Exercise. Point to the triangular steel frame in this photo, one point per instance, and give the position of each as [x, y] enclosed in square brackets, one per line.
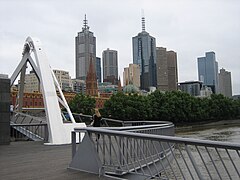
[59, 132]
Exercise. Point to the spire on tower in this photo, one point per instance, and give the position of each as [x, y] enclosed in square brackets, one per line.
[143, 21]
[85, 23]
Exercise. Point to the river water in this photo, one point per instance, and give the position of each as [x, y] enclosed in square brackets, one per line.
[224, 132]
[220, 132]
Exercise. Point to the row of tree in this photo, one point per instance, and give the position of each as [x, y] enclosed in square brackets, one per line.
[174, 106]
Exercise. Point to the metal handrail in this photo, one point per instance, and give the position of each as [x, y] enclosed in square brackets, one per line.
[134, 155]
[25, 127]
[171, 139]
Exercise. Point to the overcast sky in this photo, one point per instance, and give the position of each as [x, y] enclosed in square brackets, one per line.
[189, 27]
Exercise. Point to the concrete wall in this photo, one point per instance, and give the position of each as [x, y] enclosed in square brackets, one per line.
[4, 110]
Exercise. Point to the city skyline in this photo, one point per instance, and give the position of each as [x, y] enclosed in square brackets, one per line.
[179, 26]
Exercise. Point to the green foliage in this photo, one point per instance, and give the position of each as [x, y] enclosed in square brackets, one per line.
[127, 107]
[174, 106]
[82, 104]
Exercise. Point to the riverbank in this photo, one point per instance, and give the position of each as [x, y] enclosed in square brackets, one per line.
[207, 125]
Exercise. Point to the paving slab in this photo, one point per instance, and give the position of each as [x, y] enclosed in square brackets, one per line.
[34, 160]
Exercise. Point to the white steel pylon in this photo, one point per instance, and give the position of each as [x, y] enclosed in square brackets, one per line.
[59, 132]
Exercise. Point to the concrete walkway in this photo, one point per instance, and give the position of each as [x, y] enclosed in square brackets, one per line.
[33, 160]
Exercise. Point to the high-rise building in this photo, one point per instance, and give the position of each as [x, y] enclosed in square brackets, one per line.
[208, 71]
[32, 84]
[125, 76]
[225, 83]
[85, 48]
[144, 54]
[167, 74]
[191, 87]
[64, 80]
[110, 66]
[172, 70]
[98, 69]
[131, 75]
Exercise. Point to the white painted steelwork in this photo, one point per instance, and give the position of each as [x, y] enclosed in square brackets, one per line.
[59, 132]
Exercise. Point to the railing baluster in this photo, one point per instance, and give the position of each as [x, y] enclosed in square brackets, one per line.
[153, 161]
[73, 143]
[121, 155]
[170, 147]
[116, 155]
[213, 163]
[136, 158]
[185, 162]
[223, 163]
[166, 156]
[129, 156]
[193, 162]
[233, 163]
[204, 163]
[144, 158]
[160, 160]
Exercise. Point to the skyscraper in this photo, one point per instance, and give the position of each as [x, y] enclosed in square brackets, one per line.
[110, 66]
[191, 87]
[144, 54]
[167, 74]
[208, 71]
[85, 48]
[125, 76]
[172, 70]
[225, 83]
[98, 69]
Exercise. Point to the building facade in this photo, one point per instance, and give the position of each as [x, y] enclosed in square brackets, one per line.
[110, 66]
[64, 80]
[125, 76]
[191, 87]
[79, 86]
[98, 69]
[131, 75]
[85, 48]
[144, 54]
[32, 84]
[225, 83]
[167, 71]
[208, 71]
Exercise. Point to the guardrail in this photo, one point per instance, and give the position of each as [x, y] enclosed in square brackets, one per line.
[108, 122]
[118, 153]
[34, 131]
[130, 155]
[26, 127]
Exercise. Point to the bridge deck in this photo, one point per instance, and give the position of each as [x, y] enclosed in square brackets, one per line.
[33, 160]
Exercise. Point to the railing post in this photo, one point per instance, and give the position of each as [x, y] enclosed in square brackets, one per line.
[45, 133]
[193, 162]
[73, 143]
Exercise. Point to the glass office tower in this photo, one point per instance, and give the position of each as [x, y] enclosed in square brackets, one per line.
[208, 71]
[144, 54]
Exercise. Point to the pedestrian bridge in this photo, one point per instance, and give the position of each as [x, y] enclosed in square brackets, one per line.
[143, 150]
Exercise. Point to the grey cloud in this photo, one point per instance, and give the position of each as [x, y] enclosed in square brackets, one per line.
[189, 27]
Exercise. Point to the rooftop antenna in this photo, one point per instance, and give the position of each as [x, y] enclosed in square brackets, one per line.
[143, 21]
[85, 22]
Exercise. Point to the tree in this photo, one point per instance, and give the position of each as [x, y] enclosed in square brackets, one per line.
[82, 104]
[127, 107]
